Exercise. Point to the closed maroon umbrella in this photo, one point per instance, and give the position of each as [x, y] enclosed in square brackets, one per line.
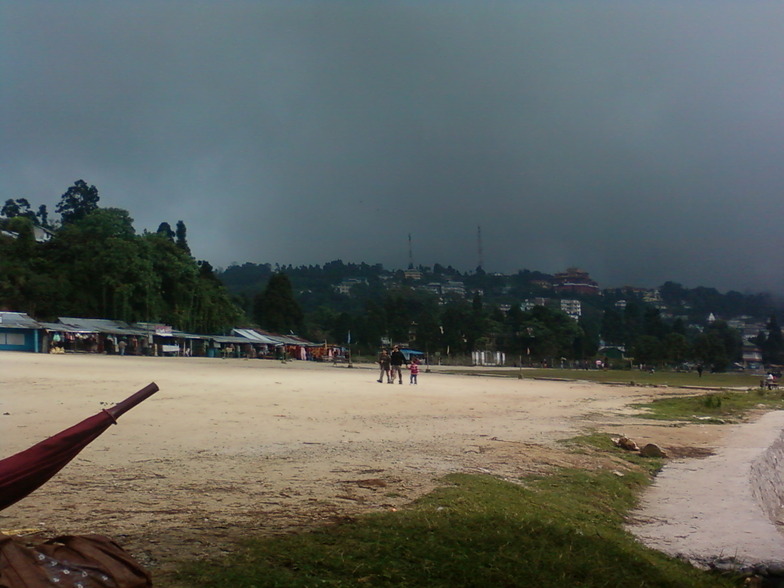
[26, 471]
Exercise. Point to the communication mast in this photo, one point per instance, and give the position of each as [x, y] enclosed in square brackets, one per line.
[410, 254]
[479, 246]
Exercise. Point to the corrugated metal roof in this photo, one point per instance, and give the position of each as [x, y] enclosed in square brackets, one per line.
[17, 320]
[230, 339]
[66, 324]
[184, 335]
[304, 342]
[255, 337]
[283, 339]
[61, 328]
[109, 326]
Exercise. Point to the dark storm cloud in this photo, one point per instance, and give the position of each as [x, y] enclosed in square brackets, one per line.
[640, 141]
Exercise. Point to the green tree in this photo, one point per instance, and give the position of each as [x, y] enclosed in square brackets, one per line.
[586, 343]
[398, 316]
[676, 348]
[673, 293]
[177, 281]
[718, 346]
[77, 202]
[709, 350]
[165, 229]
[455, 319]
[612, 330]
[428, 334]
[371, 325]
[275, 308]
[633, 322]
[96, 265]
[104, 265]
[679, 327]
[181, 237]
[17, 265]
[212, 311]
[550, 334]
[730, 339]
[341, 327]
[18, 207]
[647, 350]
[105, 223]
[43, 217]
[653, 324]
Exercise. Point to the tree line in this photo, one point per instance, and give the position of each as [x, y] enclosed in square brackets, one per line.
[96, 265]
[305, 301]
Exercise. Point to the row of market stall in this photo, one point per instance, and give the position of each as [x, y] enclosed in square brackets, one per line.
[20, 332]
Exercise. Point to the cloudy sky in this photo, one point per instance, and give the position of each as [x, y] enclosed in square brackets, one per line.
[640, 141]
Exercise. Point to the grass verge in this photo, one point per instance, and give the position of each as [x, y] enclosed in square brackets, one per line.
[717, 407]
[560, 530]
[637, 377]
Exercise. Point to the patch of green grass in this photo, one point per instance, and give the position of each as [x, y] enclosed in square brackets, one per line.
[603, 443]
[559, 530]
[716, 407]
[658, 378]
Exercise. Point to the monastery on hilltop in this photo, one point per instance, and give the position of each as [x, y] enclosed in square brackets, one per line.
[575, 281]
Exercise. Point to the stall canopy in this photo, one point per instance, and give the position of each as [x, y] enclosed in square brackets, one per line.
[265, 337]
[253, 336]
[411, 353]
[106, 326]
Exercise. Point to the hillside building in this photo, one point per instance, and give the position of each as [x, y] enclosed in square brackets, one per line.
[573, 308]
[575, 281]
[345, 286]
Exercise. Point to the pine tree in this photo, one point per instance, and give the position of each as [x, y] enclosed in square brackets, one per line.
[275, 307]
[181, 234]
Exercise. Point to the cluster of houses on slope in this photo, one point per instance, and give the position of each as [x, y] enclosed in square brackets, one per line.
[20, 332]
[573, 280]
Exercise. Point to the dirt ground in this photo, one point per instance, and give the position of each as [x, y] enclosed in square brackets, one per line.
[231, 447]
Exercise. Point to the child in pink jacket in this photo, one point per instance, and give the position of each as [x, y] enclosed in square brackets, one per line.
[414, 367]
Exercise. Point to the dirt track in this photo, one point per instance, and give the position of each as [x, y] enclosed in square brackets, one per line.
[229, 447]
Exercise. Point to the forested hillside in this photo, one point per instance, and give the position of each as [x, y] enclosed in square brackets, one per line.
[368, 304]
[95, 265]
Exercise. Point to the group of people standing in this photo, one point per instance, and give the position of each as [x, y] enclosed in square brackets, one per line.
[391, 365]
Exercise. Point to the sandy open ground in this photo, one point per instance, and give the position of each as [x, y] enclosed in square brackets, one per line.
[231, 447]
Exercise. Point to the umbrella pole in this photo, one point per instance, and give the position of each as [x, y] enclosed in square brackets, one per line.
[122, 407]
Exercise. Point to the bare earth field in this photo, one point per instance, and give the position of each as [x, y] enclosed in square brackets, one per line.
[234, 447]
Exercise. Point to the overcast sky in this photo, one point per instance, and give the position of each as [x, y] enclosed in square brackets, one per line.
[640, 141]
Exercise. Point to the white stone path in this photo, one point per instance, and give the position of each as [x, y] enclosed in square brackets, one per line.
[724, 505]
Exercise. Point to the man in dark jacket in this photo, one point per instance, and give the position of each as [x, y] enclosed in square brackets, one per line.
[397, 359]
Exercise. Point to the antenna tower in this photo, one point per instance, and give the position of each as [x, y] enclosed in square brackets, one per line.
[410, 254]
[479, 246]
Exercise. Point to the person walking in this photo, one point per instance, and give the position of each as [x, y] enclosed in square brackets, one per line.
[414, 367]
[383, 362]
[397, 359]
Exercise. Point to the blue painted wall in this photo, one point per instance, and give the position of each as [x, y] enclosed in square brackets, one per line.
[18, 339]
